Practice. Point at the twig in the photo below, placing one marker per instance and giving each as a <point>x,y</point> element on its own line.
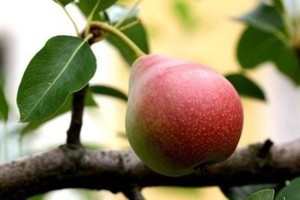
<point>133,193</point>
<point>265,148</point>
<point>73,133</point>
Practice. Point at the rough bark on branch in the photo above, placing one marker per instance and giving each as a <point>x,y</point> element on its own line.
<point>120,171</point>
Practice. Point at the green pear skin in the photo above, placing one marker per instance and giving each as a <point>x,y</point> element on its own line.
<point>181,115</point>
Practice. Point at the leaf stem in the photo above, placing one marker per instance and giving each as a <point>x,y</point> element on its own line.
<point>114,31</point>
<point>69,16</point>
<point>122,28</point>
<point>90,17</point>
<point>120,22</point>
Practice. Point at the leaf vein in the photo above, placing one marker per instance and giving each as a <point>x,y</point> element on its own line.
<point>57,78</point>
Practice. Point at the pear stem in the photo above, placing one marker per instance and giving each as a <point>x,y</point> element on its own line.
<point>114,31</point>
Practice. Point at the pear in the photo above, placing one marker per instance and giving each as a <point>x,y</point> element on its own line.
<point>181,115</point>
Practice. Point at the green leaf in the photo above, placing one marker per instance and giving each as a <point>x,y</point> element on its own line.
<point>87,6</point>
<point>278,5</point>
<point>4,109</point>
<point>63,66</point>
<point>243,192</point>
<point>106,90</point>
<point>135,33</point>
<point>267,194</point>
<point>245,86</point>
<point>64,2</point>
<point>185,14</point>
<point>30,127</point>
<point>92,146</point>
<point>265,18</point>
<point>256,47</point>
<point>290,192</point>
<point>85,194</point>
<point>38,197</point>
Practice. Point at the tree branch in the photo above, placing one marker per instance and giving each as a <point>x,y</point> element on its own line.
<point>116,170</point>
